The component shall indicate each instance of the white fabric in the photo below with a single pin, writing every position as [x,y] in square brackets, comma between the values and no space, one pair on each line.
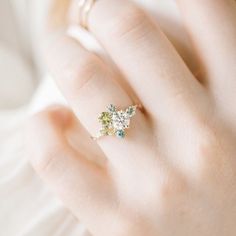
[27,208]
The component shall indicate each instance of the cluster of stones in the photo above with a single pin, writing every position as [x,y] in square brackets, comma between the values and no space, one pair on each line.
[115,122]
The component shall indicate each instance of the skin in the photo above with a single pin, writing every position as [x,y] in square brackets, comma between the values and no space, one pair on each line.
[175,172]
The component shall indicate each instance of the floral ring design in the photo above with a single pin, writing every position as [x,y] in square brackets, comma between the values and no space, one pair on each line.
[114,122]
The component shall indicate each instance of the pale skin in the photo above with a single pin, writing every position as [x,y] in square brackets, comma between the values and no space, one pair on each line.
[175,172]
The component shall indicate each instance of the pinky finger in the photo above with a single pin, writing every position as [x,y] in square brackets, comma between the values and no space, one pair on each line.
[82,185]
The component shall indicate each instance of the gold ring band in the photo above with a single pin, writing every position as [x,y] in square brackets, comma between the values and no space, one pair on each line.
[85,7]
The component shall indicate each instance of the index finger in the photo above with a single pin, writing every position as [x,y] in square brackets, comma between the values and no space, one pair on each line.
[143,53]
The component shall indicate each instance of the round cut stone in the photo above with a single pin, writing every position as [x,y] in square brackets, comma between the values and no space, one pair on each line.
[131,110]
[111,108]
[121,120]
[105,118]
[120,133]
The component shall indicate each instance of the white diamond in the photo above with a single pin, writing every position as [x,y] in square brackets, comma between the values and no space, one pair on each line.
[121,120]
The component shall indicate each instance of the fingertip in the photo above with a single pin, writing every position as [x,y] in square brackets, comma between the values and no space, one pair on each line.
[44,136]
[58,115]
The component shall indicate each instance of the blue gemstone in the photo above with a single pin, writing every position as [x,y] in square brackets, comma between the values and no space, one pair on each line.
[120,133]
[111,108]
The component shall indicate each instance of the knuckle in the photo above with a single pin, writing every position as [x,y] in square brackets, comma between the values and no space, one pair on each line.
[88,65]
[172,188]
[127,21]
[49,116]
[208,148]
[87,69]
[208,139]
[214,151]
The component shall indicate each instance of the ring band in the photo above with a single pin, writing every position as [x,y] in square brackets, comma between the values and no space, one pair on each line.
[85,7]
[114,122]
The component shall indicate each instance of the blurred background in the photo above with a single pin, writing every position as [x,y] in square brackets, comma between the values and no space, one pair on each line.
[16,63]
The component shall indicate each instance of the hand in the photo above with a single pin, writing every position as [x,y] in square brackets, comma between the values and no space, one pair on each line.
[175,172]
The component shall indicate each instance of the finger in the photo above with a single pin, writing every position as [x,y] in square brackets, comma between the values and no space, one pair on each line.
[150,63]
[90,86]
[56,19]
[212,27]
[82,185]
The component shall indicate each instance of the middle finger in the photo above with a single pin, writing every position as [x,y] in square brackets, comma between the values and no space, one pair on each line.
[148,60]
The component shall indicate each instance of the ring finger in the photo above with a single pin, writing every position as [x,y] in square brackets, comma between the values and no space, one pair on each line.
[90,86]
[151,65]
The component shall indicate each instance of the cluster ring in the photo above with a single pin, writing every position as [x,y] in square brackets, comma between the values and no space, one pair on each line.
[114,122]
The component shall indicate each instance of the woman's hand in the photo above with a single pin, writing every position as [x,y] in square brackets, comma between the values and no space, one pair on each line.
[175,172]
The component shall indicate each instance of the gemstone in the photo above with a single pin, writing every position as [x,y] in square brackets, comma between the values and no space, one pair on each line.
[120,133]
[115,122]
[106,131]
[120,120]
[105,118]
[131,110]
[111,108]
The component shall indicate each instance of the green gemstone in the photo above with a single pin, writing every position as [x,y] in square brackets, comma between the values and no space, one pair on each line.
[105,118]
[104,132]
[107,131]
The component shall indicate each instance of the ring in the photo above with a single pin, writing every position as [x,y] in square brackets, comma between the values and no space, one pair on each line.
[85,7]
[114,122]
